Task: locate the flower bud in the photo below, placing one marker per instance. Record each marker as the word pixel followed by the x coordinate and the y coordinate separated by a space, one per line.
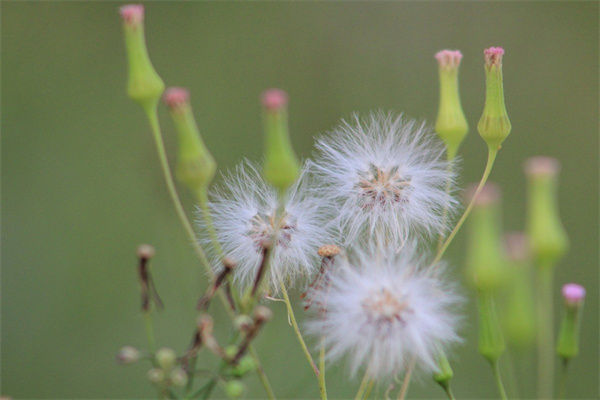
pixel 494 125
pixel 178 377
pixel 445 373
pixel 519 312
pixel 245 365
pixel 196 167
pixel 491 341
pixel 156 375
pixel 144 85
pixel 548 238
pixel 567 345
pixel 451 124
pixel 281 166
pixel 165 358
pixel 485 266
pixel 243 323
pixel 128 355
pixel 234 389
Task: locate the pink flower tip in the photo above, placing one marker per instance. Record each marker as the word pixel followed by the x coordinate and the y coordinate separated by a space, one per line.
pixel 541 166
pixel 573 293
pixel 449 58
pixel 493 55
pixel 175 97
pixel 274 99
pixel 132 14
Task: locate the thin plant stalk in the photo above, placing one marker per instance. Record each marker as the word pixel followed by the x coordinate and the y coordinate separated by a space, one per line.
pixel 202 196
pixel 486 173
pixel 363 386
pixel 296 329
pixel 406 381
pixel 322 387
pixel 545 332
pixel 498 379
pixel 445 211
pixel 162 155
pixel 149 332
pixel 562 385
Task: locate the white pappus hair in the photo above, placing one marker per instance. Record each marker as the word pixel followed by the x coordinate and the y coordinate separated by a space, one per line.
pixel 389 178
pixel 385 310
pixel 245 214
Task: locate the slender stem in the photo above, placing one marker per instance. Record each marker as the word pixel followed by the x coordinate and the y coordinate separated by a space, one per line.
pixel 363 386
pixel 545 331
pixel 406 381
pixel 445 211
pixel 486 173
pixel 164 163
pixel 191 374
pixel 296 329
pixel 150 332
pixel 499 380
pixel 202 196
pixel 322 387
pixel 162 155
pixel 369 389
pixel 562 386
pixel 449 392
pixel 261 373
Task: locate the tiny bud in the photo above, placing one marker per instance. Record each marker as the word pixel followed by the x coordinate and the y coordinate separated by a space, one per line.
pixel 243 323
pixel 281 167
pixel 573 294
pixel 166 358
pixel 234 389
pixel 144 85
pixel 451 124
pixel 274 99
pixel 245 365
pixel 567 345
pixel 178 377
pixel 329 250
pixel 128 355
pixel 444 373
pixel 231 351
pixel 196 167
pixel 156 375
pixel 549 241
pixel 262 314
pixel 494 125
pixel 145 251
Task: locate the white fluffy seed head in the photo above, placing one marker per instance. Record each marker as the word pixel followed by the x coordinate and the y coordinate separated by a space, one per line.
pixel 385 309
pixel 389 178
pixel 247 218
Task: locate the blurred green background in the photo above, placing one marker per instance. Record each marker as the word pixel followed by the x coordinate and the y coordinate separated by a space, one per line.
pixel 81 185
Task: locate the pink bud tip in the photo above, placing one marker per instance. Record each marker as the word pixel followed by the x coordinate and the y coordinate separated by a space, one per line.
pixel 132 14
pixel 542 166
pixel 449 58
pixel 493 56
pixel 176 97
pixel 274 99
pixel 573 293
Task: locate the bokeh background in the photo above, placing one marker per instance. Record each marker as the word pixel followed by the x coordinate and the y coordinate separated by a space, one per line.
pixel 81 185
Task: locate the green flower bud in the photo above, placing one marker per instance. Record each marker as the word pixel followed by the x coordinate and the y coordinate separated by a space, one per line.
pixel 494 125
pixel 445 373
pixel 245 365
pixel 548 238
pixel 178 377
pixel 144 85
pixel 519 311
pixel 567 345
pixel 156 375
pixel 485 264
pixel 491 341
pixel 231 351
pixel 166 358
pixel 281 166
pixel 196 167
pixel 234 389
pixel 451 125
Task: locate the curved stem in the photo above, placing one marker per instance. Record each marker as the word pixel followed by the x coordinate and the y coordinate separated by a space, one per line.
pixel 296 329
pixel 486 173
pixel 499 380
pixel 545 331
pixel 406 381
pixel 322 387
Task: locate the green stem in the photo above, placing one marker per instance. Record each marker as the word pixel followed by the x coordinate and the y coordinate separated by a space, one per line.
pixel 498 378
pixel 150 333
pixel 152 115
pixel 322 387
pixel 296 329
pixel 363 386
pixel 449 392
pixel 486 173
pixel 445 211
pixel 545 331
pixel 202 196
pixel 562 386
pixel 406 381
pixel 261 373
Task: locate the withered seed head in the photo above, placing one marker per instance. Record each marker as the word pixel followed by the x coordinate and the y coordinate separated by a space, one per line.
pixel 329 250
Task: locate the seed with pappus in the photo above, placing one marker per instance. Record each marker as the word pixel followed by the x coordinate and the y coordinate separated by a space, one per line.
pixel 385 309
pixel 388 176
pixel 248 219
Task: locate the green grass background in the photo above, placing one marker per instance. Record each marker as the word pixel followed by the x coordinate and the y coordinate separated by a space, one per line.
pixel 81 185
